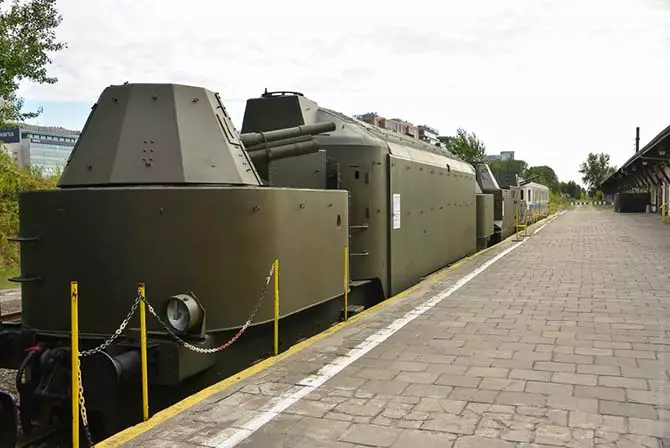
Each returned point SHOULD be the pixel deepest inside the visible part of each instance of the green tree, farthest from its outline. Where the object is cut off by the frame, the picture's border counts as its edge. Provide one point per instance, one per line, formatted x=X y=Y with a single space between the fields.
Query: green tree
x=14 y=180
x=572 y=189
x=508 y=167
x=27 y=35
x=545 y=176
x=467 y=146
x=594 y=170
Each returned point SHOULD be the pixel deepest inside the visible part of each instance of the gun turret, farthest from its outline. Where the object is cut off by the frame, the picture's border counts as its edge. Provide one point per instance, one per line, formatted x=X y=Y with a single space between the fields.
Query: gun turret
x=170 y=134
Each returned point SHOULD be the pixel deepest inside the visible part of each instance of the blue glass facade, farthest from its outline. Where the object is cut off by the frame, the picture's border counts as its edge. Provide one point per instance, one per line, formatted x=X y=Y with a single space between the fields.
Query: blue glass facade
x=47 y=148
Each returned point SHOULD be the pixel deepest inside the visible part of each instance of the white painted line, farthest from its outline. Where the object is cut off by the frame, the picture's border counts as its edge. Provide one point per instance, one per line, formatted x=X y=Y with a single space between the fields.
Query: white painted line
x=278 y=404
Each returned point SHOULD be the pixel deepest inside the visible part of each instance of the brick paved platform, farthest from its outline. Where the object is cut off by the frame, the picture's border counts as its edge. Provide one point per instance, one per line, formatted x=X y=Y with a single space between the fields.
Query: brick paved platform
x=558 y=341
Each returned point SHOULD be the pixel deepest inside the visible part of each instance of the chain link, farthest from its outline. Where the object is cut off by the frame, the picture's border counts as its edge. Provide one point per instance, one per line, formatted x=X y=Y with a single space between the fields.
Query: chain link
x=116 y=334
x=124 y=324
x=82 y=407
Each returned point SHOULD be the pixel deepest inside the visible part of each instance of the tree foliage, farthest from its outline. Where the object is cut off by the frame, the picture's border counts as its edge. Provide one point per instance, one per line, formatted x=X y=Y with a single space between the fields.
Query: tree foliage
x=595 y=169
x=13 y=180
x=545 y=176
x=572 y=189
x=467 y=146
x=508 y=167
x=27 y=36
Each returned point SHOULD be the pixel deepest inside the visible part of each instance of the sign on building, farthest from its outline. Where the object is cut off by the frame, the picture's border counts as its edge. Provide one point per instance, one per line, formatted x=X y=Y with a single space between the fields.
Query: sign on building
x=10 y=135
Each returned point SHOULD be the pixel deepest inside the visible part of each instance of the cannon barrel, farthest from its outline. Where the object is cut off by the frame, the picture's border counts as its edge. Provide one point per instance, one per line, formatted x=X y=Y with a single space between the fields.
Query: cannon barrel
x=255 y=138
x=284 y=151
x=274 y=144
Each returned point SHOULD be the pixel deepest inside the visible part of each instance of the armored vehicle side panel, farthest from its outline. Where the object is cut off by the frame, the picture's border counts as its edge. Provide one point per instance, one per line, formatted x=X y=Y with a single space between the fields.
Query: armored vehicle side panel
x=218 y=243
x=433 y=217
x=434 y=190
x=484 y=215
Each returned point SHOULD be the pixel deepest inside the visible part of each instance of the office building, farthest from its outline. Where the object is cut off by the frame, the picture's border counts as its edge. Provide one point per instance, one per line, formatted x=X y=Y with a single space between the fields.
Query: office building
x=504 y=155
x=429 y=135
x=45 y=147
x=392 y=124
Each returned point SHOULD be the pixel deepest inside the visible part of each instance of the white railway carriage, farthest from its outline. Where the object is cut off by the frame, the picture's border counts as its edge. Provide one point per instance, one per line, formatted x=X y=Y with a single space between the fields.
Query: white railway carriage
x=536 y=197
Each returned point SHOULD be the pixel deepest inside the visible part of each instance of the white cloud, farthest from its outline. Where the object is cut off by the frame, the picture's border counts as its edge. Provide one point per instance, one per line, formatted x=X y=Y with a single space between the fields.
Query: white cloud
x=550 y=80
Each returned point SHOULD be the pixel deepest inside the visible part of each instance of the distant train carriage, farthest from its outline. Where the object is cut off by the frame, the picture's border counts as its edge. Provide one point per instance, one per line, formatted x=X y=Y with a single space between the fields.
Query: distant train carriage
x=536 y=198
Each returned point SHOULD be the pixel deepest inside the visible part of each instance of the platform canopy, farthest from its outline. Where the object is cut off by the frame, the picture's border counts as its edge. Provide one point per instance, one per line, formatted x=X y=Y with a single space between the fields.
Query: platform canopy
x=648 y=167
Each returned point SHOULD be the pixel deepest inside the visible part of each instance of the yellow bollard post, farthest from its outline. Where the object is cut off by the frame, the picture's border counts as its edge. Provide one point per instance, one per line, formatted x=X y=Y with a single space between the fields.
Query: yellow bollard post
x=346 y=282
x=143 y=349
x=276 y=345
x=516 y=224
x=74 y=324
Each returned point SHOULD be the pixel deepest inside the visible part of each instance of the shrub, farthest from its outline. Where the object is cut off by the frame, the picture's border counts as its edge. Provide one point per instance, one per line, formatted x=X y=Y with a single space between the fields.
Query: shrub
x=13 y=180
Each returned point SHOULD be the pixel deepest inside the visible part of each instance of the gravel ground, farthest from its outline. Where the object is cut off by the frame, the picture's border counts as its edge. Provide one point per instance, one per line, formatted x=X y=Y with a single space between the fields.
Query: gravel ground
x=10 y=302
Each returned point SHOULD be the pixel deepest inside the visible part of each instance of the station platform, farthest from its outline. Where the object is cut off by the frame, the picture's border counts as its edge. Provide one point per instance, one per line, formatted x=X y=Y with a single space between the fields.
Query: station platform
x=561 y=339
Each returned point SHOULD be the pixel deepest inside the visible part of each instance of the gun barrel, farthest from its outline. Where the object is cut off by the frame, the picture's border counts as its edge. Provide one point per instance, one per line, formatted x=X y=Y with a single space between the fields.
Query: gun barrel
x=283 y=142
x=256 y=138
x=284 y=151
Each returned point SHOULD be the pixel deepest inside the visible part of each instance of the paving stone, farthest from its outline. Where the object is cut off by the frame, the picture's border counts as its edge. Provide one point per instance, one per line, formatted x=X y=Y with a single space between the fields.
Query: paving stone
x=374 y=435
x=592 y=351
x=634 y=354
x=563 y=436
x=627 y=409
x=310 y=408
x=451 y=423
x=503 y=384
x=598 y=370
x=376 y=374
x=411 y=438
x=384 y=387
x=527 y=374
x=607 y=423
x=575 y=359
x=481 y=442
x=604 y=393
x=651 y=371
x=521 y=398
x=575 y=378
x=455 y=380
x=440 y=406
x=615 y=361
x=362 y=407
x=649 y=397
x=428 y=390
x=589 y=405
x=490 y=372
x=473 y=395
x=648 y=427
x=549 y=388
x=555 y=366
x=409 y=366
x=629 y=383
x=320 y=429
x=417 y=377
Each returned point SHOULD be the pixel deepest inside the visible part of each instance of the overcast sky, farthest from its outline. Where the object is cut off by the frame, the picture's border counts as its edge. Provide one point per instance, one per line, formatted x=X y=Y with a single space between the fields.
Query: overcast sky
x=551 y=80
